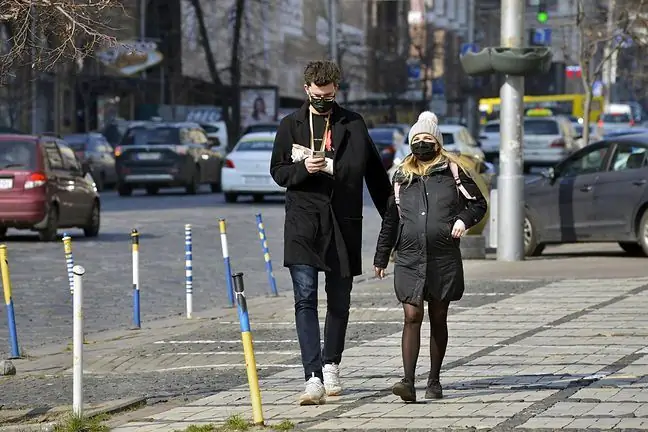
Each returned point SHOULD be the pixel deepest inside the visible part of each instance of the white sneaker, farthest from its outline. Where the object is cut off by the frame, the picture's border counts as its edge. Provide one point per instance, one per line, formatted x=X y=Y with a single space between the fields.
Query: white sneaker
x=314 y=393
x=332 y=383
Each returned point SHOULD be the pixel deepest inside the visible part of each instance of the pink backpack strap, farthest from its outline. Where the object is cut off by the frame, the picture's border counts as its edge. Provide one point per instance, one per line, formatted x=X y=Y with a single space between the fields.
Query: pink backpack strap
x=460 y=187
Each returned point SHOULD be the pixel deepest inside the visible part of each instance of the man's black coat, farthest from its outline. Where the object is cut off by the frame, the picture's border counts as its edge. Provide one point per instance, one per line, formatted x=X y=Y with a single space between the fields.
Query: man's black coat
x=320 y=208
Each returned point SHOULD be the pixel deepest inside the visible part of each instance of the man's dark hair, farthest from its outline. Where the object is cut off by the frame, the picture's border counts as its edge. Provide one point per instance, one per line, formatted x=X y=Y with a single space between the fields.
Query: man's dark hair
x=321 y=73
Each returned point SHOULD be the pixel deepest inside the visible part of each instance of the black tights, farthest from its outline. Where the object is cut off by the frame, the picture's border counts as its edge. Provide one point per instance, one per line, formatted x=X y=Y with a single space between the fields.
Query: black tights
x=411 y=341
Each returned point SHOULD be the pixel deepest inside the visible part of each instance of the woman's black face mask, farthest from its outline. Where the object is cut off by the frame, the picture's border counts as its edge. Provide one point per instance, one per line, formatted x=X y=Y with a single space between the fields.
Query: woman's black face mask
x=424 y=150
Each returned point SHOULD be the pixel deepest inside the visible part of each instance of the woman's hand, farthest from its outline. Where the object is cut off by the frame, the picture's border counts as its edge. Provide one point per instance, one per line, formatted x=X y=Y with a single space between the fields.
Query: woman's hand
x=380 y=272
x=458 y=229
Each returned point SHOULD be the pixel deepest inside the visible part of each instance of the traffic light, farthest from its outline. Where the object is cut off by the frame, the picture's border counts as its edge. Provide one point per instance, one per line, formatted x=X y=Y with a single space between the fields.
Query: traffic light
x=542 y=16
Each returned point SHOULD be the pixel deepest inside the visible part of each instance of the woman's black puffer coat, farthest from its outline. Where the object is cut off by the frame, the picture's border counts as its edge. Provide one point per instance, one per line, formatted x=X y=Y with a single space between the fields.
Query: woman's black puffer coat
x=428 y=260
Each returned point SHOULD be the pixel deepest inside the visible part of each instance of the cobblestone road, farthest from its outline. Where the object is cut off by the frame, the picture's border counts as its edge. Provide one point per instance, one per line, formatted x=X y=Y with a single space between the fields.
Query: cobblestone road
x=39 y=278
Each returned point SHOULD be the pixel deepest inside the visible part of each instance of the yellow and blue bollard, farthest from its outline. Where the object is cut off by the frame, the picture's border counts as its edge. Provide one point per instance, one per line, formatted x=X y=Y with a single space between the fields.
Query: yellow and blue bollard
x=266 y=254
x=136 y=286
x=11 y=317
x=189 y=270
x=248 y=350
x=69 y=260
x=222 y=224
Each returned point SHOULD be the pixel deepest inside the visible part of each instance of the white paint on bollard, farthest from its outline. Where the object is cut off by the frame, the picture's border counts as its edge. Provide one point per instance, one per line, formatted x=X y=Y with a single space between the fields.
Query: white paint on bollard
x=77 y=342
x=492 y=235
x=189 y=270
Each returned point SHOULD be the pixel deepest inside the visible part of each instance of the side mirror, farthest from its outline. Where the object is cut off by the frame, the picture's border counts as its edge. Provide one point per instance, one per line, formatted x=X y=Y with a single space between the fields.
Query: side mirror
x=549 y=173
x=85 y=168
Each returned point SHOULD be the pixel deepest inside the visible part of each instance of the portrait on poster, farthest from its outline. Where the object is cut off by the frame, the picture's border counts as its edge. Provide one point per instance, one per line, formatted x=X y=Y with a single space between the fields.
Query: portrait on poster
x=258 y=105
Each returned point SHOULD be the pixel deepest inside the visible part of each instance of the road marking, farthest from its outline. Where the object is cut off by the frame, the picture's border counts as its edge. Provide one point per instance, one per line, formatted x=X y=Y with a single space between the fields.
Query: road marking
x=238 y=353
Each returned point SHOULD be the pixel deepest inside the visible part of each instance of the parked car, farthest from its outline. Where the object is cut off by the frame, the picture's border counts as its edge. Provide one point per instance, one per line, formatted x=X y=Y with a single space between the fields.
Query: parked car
x=160 y=155
x=115 y=130
x=247 y=168
x=260 y=127
x=387 y=141
x=547 y=140
x=217 y=133
x=490 y=140
x=94 y=149
x=626 y=131
x=613 y=121
x=43 y=187
x=598 y=194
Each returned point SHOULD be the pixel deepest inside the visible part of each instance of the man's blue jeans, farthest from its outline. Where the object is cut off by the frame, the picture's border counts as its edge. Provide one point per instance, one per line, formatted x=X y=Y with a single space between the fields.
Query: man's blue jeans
x=338 y=300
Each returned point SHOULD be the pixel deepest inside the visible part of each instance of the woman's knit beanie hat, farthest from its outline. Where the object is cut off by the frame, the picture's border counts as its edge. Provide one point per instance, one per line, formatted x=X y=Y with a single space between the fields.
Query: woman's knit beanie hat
x=427 y=123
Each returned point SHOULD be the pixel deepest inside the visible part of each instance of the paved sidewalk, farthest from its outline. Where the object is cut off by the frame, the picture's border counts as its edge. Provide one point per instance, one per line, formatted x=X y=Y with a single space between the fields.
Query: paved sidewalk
x=571 y=354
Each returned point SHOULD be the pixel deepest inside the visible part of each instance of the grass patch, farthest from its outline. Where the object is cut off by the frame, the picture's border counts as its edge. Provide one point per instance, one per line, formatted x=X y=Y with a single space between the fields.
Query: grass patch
x=82 y=424
x=285 y=425
x=203 y=428
x=236 y=423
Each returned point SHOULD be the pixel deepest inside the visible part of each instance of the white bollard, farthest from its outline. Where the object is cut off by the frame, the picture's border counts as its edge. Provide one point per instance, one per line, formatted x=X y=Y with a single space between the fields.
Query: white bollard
x=492 y=234
x=189 y=270
x=77 y=342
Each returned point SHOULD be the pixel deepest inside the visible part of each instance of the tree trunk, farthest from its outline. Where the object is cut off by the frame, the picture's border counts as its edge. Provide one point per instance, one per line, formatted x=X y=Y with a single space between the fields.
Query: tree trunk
x=586 y=78
x=235 y=71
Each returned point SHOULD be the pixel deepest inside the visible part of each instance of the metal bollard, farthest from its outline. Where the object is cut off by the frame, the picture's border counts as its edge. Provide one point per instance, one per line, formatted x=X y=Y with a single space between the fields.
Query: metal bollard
x=69 y=260
x=266 y=255
x=136 y=286
x=248 y=350
x=11 y=317
x=226 y=259
x=77 y=342
x=188 y=270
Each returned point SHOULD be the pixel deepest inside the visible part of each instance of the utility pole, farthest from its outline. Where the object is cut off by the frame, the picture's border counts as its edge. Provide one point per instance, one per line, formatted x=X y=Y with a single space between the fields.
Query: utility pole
x=333 y=30
x=471 y=106
x=510 y=183
x=608 y=55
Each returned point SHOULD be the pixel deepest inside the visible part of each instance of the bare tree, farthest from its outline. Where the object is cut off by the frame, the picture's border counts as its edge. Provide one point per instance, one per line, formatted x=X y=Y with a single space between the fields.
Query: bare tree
x=42 y=32
x=602 y=34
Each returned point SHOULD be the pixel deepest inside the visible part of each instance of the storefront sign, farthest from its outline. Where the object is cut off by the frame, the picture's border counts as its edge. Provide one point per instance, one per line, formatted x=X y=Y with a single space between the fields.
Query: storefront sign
x=130 y=57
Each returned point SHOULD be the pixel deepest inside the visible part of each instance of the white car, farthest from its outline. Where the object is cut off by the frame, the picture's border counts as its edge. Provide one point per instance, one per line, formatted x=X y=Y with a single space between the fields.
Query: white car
x=490 y=140
x=456 y=138
x=246 y=170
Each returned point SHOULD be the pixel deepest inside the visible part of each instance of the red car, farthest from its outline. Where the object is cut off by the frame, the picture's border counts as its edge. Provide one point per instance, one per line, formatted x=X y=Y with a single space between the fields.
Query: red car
x=44 y=187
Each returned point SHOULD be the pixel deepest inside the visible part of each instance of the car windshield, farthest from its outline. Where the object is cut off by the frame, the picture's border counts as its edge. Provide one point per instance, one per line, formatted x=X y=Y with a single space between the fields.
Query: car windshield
x=492 y=128
x=382 y=136
x=448 y=138
x=209 y=128
x=541 y=127
x=261 y=128
x=616 y=118
x=76 y=142
x=152 y=136
x=17 y=154
x=255 y=146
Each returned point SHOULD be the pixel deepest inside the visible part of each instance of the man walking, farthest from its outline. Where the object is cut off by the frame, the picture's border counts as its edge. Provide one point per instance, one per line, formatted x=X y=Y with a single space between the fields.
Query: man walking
x=322 y=153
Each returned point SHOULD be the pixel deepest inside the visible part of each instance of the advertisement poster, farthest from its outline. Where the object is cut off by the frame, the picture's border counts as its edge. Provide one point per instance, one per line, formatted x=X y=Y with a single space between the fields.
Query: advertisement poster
x=258 y=105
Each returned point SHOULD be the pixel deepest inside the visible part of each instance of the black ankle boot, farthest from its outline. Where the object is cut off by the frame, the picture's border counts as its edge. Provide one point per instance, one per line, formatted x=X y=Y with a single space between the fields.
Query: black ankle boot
x=434 y=389
x=405 y=389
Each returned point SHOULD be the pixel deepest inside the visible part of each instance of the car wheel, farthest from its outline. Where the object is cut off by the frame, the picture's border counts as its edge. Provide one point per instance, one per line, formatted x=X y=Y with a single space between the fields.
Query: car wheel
x=531 y=246
x=152 y=190
x=643 y=233
x=100 y=182
x=3 y=232
x=257 y=198
x=632 y=248
x=192 y=187
x=48 y=233
x=215 y=187
x=231 y=197
x=124 y=190
x=94 y=222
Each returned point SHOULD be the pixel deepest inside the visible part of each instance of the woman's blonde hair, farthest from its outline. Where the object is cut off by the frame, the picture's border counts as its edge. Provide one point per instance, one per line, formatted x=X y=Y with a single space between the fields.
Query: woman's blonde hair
x=411 y=166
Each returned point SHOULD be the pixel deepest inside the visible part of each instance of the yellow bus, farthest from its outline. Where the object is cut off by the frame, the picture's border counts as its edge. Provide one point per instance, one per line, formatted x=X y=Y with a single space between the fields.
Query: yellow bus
x=565 y=104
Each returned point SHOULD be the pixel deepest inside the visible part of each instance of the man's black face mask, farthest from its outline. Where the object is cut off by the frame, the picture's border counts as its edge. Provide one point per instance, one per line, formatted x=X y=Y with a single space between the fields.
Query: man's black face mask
x=424 y=150
x=322 y=105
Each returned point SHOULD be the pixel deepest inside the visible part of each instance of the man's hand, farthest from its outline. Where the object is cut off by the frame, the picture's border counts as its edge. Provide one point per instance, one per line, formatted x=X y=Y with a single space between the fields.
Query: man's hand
x=380 y=272
x=458 y=229
x=314 y=165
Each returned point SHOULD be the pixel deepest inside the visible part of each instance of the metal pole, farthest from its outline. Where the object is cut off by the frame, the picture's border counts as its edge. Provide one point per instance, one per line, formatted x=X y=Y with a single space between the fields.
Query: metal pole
x=510 y=183
x=77 y=342
x=189 y=270
x=266 y=254
x=11 y=316
x=248 y=350
x=471 y=105
x=333 y=28
x=222 y=224
x=143 y=26
x=607 y=53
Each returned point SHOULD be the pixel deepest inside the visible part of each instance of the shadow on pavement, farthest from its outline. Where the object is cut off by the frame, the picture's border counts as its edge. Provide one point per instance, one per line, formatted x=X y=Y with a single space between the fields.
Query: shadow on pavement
x=77 y=237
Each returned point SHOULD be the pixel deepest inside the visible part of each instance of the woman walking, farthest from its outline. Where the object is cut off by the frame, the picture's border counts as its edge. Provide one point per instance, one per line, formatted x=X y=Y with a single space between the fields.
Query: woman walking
x=435 y=201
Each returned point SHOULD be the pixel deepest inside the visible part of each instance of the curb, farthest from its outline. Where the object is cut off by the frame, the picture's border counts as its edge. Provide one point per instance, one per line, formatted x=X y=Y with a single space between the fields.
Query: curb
x=106 y=408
